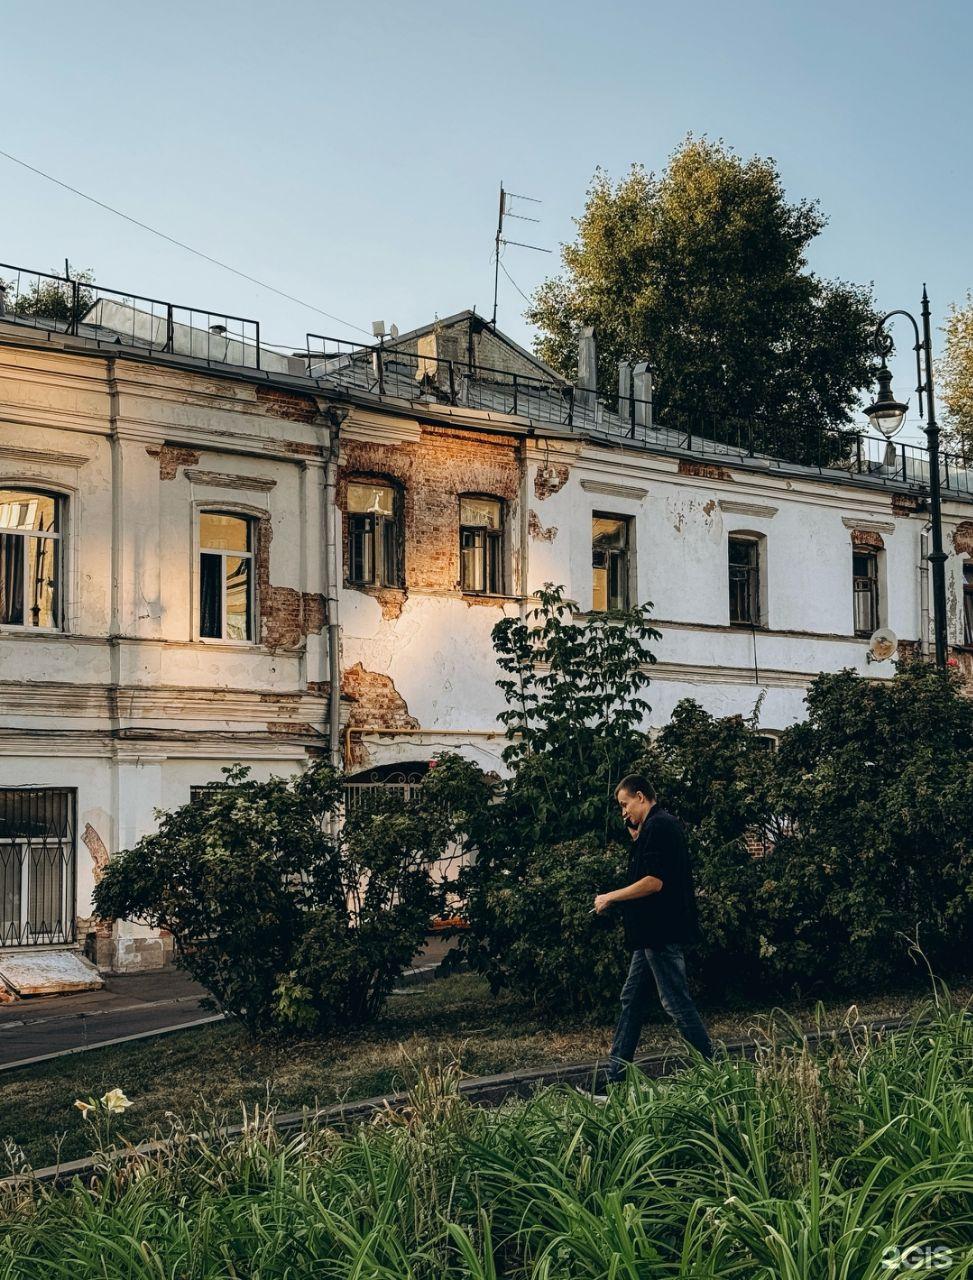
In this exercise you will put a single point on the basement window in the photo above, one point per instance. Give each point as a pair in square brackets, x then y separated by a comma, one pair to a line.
[481, 545]
[226, 609]
[968, 603]
[375, 556]
[865, 588]
[30, 559]
[610, 537]
[744, 581]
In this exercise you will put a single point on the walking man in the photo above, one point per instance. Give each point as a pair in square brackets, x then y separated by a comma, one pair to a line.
[659, 913]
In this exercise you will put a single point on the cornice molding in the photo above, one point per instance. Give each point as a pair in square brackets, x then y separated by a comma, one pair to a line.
[746, 508]
[614, 490]
[223, 480]
[46, 457]
[869, 526]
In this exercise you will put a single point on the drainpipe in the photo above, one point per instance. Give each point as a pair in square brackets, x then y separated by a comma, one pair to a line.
[335, 418]
[924, 589]
[524, 536]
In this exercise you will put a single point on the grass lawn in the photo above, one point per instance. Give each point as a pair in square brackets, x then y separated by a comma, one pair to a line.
[851, 1163]
[216, 1069]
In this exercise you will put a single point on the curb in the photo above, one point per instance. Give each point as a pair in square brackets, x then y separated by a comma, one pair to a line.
[480, 1090]
[105, 1044]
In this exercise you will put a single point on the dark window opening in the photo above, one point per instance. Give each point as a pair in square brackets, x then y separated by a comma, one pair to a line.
[30, 559]
[37, 866]
[226, 605]
[375, 542]
[609, 562]
[865, 586]
[481, 545]
[744, 572]
[968, 603]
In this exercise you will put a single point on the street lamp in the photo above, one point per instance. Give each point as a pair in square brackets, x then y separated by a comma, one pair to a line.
[887, 416]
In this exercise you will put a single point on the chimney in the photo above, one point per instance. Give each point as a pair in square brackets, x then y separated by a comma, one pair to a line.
[587, 369]
[642, 377]
[624, 390]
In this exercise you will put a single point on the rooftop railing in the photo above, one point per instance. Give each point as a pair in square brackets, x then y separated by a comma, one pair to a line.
[40, 300]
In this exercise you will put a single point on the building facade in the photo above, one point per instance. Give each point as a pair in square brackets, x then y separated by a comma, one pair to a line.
[200, 540]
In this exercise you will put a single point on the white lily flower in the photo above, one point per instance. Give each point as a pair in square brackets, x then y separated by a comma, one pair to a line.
[115, 1101]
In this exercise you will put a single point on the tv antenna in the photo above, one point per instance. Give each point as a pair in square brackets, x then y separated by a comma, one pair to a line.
[505, 212]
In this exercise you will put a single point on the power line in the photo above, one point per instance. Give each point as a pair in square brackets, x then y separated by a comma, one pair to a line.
[514, 283]
[181, 245]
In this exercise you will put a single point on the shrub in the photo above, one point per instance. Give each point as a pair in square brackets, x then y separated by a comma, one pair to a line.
[285, 921]
[875, 845]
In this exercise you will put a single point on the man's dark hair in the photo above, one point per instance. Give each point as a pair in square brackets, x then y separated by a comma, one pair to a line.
[633, 783]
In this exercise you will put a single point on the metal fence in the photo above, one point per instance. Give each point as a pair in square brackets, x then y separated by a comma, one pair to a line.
[37, 866]
[40, 300]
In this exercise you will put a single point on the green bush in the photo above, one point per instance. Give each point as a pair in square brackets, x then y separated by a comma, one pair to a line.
[874, 844]
[286, 921]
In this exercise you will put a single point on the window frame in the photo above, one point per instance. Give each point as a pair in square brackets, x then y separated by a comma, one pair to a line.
[968, 604]
[252, 523]
[492, 550]
[756, 575]
[616, 555]
[57, 537]
[379, 530]
[874, 592]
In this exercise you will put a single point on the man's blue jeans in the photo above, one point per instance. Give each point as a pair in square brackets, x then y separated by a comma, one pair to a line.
[663, 968]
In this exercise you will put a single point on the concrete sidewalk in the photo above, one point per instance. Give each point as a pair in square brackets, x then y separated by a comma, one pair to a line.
[131, 1005]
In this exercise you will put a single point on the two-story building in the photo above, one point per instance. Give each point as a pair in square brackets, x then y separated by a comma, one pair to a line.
[201, 538]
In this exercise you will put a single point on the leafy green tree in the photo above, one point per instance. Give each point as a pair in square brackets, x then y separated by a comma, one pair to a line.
[49, 299]
[703, 271]
[288, 920]
[955, 377]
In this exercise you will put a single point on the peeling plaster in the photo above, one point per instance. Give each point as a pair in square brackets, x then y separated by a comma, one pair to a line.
[537, 530]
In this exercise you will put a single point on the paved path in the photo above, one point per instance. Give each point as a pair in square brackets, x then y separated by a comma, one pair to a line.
[128, 1005]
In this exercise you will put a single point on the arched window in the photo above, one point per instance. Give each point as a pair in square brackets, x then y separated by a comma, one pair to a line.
[226, 549]
[375, 550]
[481, 551]
[30, 559]
[968, 603]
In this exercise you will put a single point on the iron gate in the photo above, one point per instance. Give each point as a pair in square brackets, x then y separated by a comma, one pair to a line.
[37, 865]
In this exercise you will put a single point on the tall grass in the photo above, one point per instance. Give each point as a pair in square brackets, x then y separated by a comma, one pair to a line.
[799, 1165]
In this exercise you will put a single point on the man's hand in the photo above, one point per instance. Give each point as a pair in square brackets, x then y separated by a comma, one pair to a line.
[602, 902]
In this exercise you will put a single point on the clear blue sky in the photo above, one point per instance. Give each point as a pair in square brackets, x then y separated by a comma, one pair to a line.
[351, 153]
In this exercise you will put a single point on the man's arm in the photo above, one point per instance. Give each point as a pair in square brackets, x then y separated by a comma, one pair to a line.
[640, 889]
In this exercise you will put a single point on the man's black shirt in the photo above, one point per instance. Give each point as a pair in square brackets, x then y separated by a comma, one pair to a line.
[669, 915]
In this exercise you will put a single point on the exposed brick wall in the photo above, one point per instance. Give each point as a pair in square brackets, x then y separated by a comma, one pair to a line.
[704, 470]
[375, 704]
[549, 479]
[867, 538]
[963, 538]
[287, 616]
[93, 842]
[431, 473]
[537, 530]
[171, 458]
[904, 504]
[291, 405]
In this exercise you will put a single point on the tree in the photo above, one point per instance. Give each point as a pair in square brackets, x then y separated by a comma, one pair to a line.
[955, 375]
[703, 271]
[51, 299]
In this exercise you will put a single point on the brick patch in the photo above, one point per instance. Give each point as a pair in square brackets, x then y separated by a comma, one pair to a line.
[963, 538]
[537, 530]
[171, 458]
[291, 405]
[375, 704]
[549, 479]
[287, 616]
[866, 538]
[704, 470]
[905, 504]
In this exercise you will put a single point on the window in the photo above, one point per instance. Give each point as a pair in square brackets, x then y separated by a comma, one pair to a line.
[374, 536]
[37, 863]
[968, 603]
[609, 562]
[744, 563]
[30, 559]
[481, 545]
[865, 586]
[225, 576]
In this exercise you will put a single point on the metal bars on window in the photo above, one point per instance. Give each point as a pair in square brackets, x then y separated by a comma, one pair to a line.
[744, 581]
[37, 866]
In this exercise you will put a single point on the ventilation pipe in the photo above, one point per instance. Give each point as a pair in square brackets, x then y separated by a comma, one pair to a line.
[587, 370]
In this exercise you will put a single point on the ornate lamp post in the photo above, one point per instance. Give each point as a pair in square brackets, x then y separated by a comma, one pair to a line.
[887, 416]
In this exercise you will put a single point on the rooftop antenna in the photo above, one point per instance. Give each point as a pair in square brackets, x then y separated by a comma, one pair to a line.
[505, 212]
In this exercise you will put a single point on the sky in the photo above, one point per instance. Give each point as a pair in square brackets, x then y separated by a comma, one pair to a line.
[351, 154]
